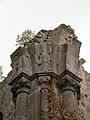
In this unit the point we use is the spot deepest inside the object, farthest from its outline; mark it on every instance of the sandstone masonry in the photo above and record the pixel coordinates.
(47, 80)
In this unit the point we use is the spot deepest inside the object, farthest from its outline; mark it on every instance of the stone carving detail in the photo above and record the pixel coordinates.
(20, 86)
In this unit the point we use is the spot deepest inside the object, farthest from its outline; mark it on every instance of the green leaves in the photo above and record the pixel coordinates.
(26, 36)
(1, 71)
(61, 82)
(1, 74)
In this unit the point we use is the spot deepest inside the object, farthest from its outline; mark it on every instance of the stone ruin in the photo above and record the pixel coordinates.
(47, 80)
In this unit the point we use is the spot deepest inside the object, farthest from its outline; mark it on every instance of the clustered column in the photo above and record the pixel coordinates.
(21, 90)
(70, 89)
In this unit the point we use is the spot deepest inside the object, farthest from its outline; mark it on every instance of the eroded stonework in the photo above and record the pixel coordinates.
(47, 81)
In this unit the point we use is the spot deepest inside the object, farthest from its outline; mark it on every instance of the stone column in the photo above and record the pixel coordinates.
(44, 97)
(44, 104)
(34, 101)
(21, 90)
(70, 89)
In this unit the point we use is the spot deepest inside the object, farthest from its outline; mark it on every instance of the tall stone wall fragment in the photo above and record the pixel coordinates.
(47, 80)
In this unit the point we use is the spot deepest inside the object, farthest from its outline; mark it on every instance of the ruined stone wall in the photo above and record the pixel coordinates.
(6, 100)
(44, 83)
(85, 94)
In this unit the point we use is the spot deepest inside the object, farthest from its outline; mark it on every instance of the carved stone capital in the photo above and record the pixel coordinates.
(69, 81)
(20, 84)
(44, 79)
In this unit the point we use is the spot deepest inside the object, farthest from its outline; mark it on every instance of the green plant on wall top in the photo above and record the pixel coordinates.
(1, 74)
(25, 37)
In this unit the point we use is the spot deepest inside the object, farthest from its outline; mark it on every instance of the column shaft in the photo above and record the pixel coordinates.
(44, 104)
(69, 105)
(70, 90)
(21, 106)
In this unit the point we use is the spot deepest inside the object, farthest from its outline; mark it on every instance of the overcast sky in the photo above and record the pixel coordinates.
(18, 15)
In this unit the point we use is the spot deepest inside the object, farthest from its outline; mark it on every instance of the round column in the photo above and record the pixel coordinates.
(69, 104)
(21, 92)
(70, 91)
(44, 97)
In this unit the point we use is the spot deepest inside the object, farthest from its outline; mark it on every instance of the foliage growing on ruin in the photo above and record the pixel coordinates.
(1, 73)
(53, 105)
(72, 114)
(25, 37)
(61, 82)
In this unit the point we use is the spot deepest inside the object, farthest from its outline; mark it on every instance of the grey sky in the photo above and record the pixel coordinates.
(18, 15)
